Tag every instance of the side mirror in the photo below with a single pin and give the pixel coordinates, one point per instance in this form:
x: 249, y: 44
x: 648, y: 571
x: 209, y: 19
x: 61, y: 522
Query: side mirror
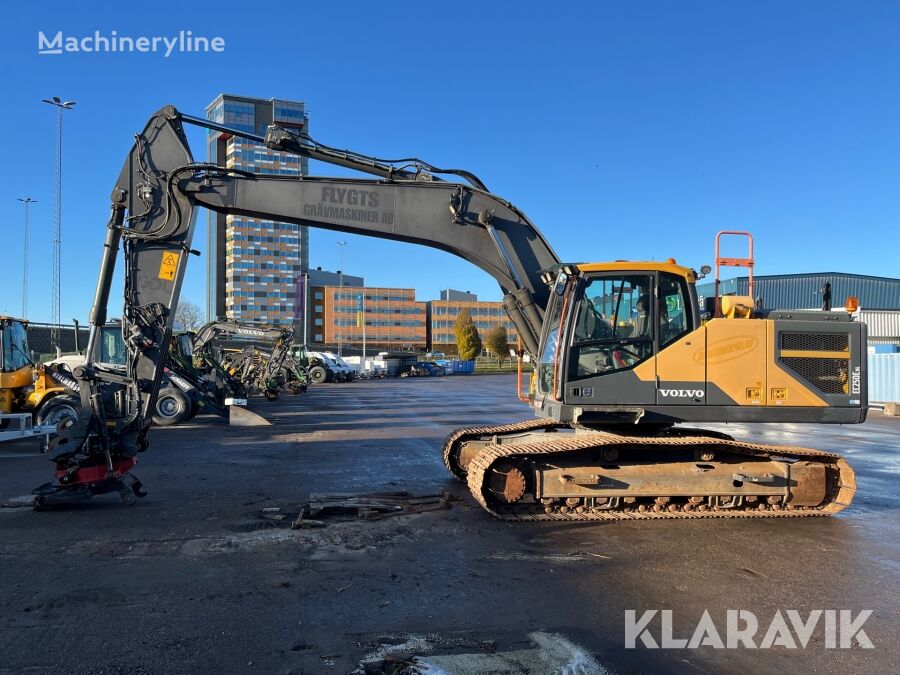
x: 704, y: 270
x: 560, y: 287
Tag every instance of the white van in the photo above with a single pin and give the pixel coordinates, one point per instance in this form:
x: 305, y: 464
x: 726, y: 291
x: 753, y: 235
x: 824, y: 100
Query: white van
x: 335, y: 368
x: 341, y: 367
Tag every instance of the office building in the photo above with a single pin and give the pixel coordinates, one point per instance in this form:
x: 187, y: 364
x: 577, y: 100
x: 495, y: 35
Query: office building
x: 392, y: 317
x: 459, y: 296
x: 312, y: 313
x: 320, y: 277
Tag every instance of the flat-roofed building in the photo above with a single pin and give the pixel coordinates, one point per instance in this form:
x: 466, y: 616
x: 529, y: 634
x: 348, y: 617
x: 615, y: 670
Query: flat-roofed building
x: 253, y: 265
x: 391, y: 317
x: 452, y: 294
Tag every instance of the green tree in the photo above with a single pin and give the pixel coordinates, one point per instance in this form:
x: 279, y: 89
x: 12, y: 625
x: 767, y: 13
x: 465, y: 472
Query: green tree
x: 497, y: 342
x: 468, y: 342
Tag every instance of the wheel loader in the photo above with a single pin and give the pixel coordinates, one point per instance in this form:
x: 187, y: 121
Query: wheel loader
x: 27, y: 387
x: 180, y: 396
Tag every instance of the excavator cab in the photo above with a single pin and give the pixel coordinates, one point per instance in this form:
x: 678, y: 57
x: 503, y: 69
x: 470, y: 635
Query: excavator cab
x: 625, y: 342
x: 26, y: 387
x: 613, y: 319
x: 181, y: 344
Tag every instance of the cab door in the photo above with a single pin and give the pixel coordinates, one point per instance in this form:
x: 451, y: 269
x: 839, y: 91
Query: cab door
x: 611, y: 359
x: 681, y: 356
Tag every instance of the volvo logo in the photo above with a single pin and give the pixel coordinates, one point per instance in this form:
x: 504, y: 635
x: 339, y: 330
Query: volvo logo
x: 682, y: 393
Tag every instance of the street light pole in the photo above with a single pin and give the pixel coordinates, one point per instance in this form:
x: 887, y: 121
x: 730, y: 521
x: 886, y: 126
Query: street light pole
x: 363, y: 360
x: 342, y: 244
x: 306, y: 299
x: 26, y: 201
x: 60, y: 105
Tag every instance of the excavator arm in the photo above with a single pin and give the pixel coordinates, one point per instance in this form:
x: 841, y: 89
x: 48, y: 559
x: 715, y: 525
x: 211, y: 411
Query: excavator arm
x: 152, y: 216
x: 242, y: 329
x: 412, y: 206
x: 281, y: 338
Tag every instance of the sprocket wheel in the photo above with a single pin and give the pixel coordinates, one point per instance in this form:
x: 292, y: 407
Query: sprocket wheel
x: 506, y: 482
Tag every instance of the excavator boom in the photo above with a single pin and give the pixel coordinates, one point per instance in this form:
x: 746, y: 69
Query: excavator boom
x: 241, y: 329
x: 152, y: 217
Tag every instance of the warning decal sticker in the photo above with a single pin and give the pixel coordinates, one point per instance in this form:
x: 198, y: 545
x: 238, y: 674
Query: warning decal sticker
x: 168, y: 265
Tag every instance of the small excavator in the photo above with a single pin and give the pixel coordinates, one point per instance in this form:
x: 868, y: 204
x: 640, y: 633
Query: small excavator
x: 258, y: 368
x: 622, y: 357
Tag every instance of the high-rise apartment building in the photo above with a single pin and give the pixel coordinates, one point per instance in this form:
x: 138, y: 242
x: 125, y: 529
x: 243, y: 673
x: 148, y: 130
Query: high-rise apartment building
x: 254, y: 266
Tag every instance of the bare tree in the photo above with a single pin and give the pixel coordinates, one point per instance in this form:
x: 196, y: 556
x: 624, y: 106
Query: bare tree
x: 188, y: 315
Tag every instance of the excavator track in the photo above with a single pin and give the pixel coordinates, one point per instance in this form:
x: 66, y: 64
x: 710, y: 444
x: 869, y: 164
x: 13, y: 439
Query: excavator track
x: 455, y: 440
x: 502, y: 461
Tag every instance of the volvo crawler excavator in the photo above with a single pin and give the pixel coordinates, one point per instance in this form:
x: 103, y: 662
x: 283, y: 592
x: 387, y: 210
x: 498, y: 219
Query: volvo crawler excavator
x: 261, y: 369
x: 622, y: 359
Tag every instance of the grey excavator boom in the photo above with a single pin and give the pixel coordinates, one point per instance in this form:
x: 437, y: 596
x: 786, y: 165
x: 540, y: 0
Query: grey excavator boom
x: 153, y: 210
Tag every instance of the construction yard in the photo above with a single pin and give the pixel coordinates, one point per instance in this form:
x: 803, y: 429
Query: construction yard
x: 206, y: 574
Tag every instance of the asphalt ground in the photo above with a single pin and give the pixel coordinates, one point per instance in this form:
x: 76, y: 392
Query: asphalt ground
x: 197, y: 578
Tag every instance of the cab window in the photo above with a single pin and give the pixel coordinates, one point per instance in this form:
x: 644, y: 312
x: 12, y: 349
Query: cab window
x: 15, y: 347
x: 613, y: 325
x: 547, y: 361
x: 545, y: 365
x: 112, y: 346
x: 673, y: 310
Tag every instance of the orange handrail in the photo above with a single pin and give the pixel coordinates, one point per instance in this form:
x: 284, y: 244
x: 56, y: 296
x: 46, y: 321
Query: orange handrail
x: 523, y: 399
x: 733, y: 262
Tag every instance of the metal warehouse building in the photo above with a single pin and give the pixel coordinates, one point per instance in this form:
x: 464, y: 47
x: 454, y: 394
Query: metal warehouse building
x: 804, y: 291
x: 879, y: 302
x: 883, y: 327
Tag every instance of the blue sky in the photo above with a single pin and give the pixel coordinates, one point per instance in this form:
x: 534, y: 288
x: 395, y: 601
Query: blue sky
x: 630, y: 130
